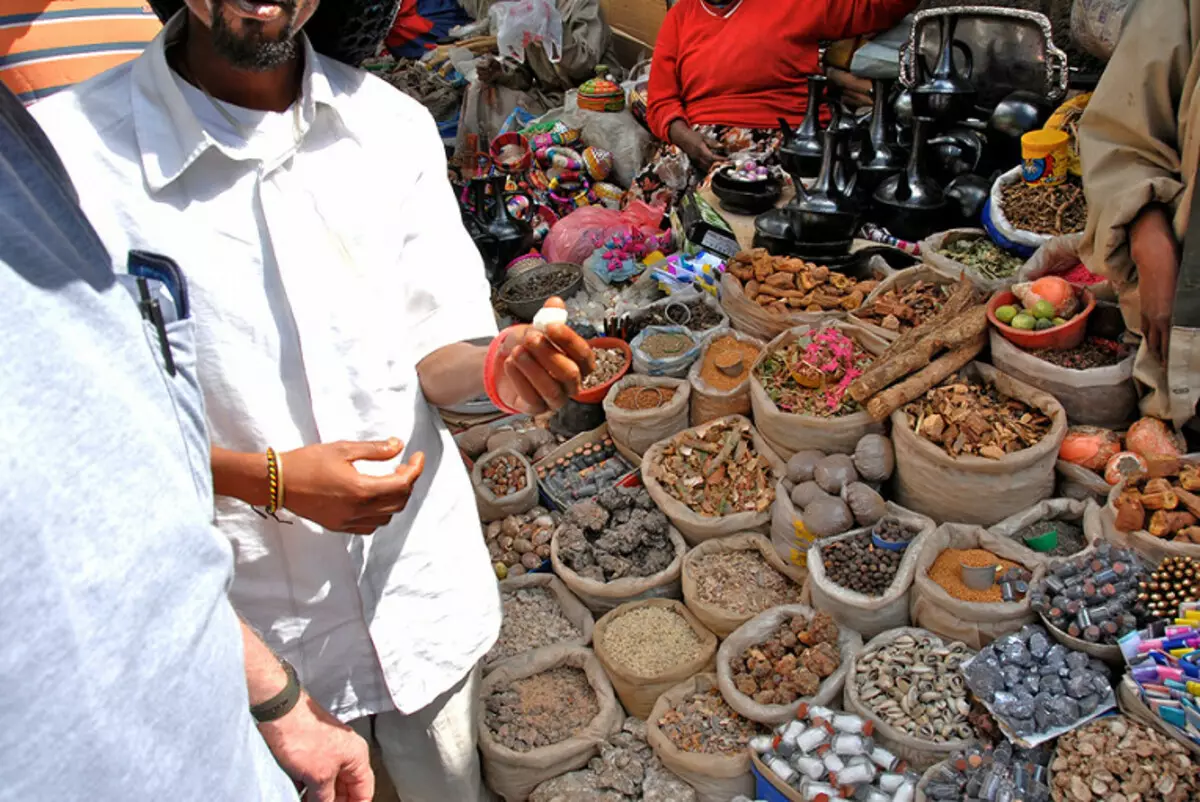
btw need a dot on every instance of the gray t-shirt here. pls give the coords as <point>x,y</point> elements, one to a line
<point>121,674</point>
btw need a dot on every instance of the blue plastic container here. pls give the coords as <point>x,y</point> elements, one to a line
<point>765,789</point>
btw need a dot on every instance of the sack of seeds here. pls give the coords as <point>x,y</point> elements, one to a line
<point>716,776</point>
<point>728,581</point>
<point>538,611</point>
<point>968,252</point>
<point>1100,396</point>
<point>641,410</point>
<point>714,479</point>
<point>819,670</point>
<point>507,720</point>
<point>875,613</point>
<point>1076,525</point>
<point>879,673</point>
<point>648,647</point>
<point>818,414</point>
<point>973,489</point>
<point>975,617</point>
<point>720,376</point>
<point>664,351</point>
<point>505,485</point>
<point>884,313</point>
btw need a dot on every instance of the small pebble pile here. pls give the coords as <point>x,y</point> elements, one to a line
<point>541,710</point>
<point>791,663</point>
<point>650,641</point>
<point>1093,596</point>
<point>609,362</point>
<point>520,543</point>
<point>586,471</point>
<point>704,724</point>
<point>857,564</point>
<point>532,619</point>
<point>621,533</point>
<point>742,583</point>
<point>1175,580</point>
<point>1034,685</point>
<point>991,773</point>
<point>1120,760</point>
<point>504,475</point>
<point>1012,580</point>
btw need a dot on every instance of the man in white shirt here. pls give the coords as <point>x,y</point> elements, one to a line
<point>333,287</point>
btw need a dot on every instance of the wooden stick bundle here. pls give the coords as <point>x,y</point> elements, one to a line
<point>888,401</point>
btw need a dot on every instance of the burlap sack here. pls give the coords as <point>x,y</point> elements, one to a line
<point>638,693</point>
<point>694,527</point>
<point>719,620</point>
<point>494,508</point>
<point>901,280</point>
<point>709,403</point>
<point>637,430</point>
<point>716,778</point>
<point>1085,514</point>
<point>974,623</point>
<point>600,597</point>
<point>572,609</point>
<point>513,775</point>
<point>953,269</point>
<point>787,433</point>
<point>757,630</point>
<point>1152,549</point>
<point>977,490</point>
<point>1131,704</point>
<point>1096,397</point>
<point>918,752</point>
<point>1075,481</point>
<point>789,535</point>
<point>868,615</point>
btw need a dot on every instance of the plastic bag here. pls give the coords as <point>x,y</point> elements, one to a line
<point>898,281</point>
<point>976,489</point>
<point>638,693</point>
<point>1002,232</point>
<point>869,615</point>
<point>1096,25</point>
<point>495,508</point>
<point>1085,514</point>
<point>513,775</point>
<point>600,597</point>
<point>1097,396</point>
<point>638,429</point>
<point>709,403</point>
<point>952,269</point>
<point>759,629</point>
<point>584,230</point>
<point>572,609</point>
<point>617,132</point>
<point>675,366</point>
<point>521,23</point>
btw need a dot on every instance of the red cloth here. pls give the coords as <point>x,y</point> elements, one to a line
<point>749,69</point>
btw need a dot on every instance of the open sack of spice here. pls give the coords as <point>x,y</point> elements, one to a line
<point>1156,511</point>
<point>641,410</point>
<point>518,544</point>
<point>1120,756</point>
<point>538,611</point>
<point>1026,216</point>
<point>728,581</point>
<point>720,376</point>
<point>1053,531</point>
<point>970,253</point>
<point>664,351</point>
<point>799,388</point>
<point>782,658</point>
<point>903,301</point>
<point>713,480</point>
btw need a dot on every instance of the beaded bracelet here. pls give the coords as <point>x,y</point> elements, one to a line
<point>274,485</point>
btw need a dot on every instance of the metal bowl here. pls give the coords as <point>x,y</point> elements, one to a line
<point>527,307</point>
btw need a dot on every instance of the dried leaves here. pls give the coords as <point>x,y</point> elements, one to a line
<point>719,472</point>
<point>813,377</point>
<point>783,285</point>
<point>967,418</point>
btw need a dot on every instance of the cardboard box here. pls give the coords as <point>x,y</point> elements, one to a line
<point>639,19</point>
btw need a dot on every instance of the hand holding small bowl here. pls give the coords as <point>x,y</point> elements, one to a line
<point>532,368</point>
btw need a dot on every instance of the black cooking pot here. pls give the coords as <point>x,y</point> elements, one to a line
<point>745,197</point>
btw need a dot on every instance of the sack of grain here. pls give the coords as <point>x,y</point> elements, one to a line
<point>779,583</point>
<point>711,401</point>
<point>600,597</point>
<point>1084,514</point>
<point>624,660</point>
<point>512,774</point>
<point>756,631</point>
<point>638,429</point>
<point>496,508</point>
<point>869,615</point>
<point>572,609</point>
<point>974,623</point>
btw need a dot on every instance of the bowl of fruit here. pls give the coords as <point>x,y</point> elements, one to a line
<point>1047,313</point>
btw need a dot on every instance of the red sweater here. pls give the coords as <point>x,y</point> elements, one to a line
<point>749,69</point>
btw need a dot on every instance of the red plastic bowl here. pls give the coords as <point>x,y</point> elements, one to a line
<point>596,394</point>
<point>1060,338</point>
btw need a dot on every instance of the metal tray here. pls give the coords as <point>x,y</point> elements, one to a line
<point>1012,49</point>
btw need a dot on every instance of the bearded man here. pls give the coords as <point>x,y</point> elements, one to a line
<point>334,289</point>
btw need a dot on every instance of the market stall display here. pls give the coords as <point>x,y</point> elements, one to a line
<point>538,611</point>
<point>720,376</point>
<point>1120,756</point>
<point>1021,773</point>
<point>520,543</point>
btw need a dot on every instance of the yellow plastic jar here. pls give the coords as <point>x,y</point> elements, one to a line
<point>1046,157</point>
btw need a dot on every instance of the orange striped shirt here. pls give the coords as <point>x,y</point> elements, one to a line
<point>47,45</point>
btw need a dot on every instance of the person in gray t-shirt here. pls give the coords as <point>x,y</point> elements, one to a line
<point>124,672</point>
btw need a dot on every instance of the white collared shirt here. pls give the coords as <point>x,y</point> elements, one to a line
<point>322,266</point>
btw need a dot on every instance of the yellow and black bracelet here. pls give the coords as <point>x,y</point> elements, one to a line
<point>274,487</point>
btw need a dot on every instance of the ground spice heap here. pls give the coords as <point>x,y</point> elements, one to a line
<point>783,285</point>
<point>812,378</point>
<point>947,572</point>
<point>722,353</point>
<point>609,362</point>
<point>791,663</point>
<point>666,345</point>
<point>742,582</point>
<point>1044,209</point>
<point>703,723</point>
<point>719,472</point>
<point>983,255</point>
<point>541,710</point>
<point>1094,352</point>
<point>1118,759</point>
<point>857,564</point>
<point>903,308</point>
<point>532,619</point>
<point>967,418</point>
<point>644,397</point>
<point>504,475</point>
<point>650,641</point>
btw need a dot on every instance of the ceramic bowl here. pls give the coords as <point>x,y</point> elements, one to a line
<point>596,394</point>
<point>526,308</point>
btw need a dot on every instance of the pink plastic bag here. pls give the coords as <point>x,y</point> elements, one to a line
<point>584,230</point>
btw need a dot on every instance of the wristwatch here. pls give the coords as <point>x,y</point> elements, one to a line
<point>281,703</point>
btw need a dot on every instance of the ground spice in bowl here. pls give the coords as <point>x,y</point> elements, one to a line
<point>704,723</point>
<point>812,378</point>
<point>742,583</point>
<point>727,350</point>
<point>644,397</point>
<point>946,571</point>
<point>1043,209</point>
<point>650,641</point>
<point>541,710</point>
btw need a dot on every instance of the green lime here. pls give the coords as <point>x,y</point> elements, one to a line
<point>1042,325</point>
<point>1005,314</point>
<point>1058,321</point>
<point>1024,322</point>
<point>1043,310</point>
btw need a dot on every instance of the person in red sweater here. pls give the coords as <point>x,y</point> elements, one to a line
<point>725,72</point>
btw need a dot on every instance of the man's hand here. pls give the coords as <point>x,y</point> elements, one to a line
<point>542,370</point>
<point>855,92</point>
<point>697,148</point>
<point>322,485</point>
<point>316,749</point>
<point>1155,251</point>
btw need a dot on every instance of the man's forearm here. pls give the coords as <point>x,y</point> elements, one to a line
<point>265,676</point>
<point>241,476</point>
<point>452,374</point>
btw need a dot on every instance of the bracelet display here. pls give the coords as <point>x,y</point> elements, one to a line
<point>281,703</point>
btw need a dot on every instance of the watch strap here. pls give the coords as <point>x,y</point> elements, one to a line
<point>281,703</point>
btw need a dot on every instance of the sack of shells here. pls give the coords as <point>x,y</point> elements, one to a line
<point>889,574</point>
<point>641,410</point>
<point>720,376</point>
<point>648,647</point>
<point>727,582</point>
<point>799,389</point>
<point>804,649</point>
<point>1076,524</point>
<point>714,480</point>
<point>505,485</point>
<point>539,611</point>
<point>907,683</point>
<point>706,744</point>
<point>957,616</point>
<point>537,719</point>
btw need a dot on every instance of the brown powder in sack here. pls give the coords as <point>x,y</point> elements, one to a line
<point>946,571</point>
<point>720,350</point>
